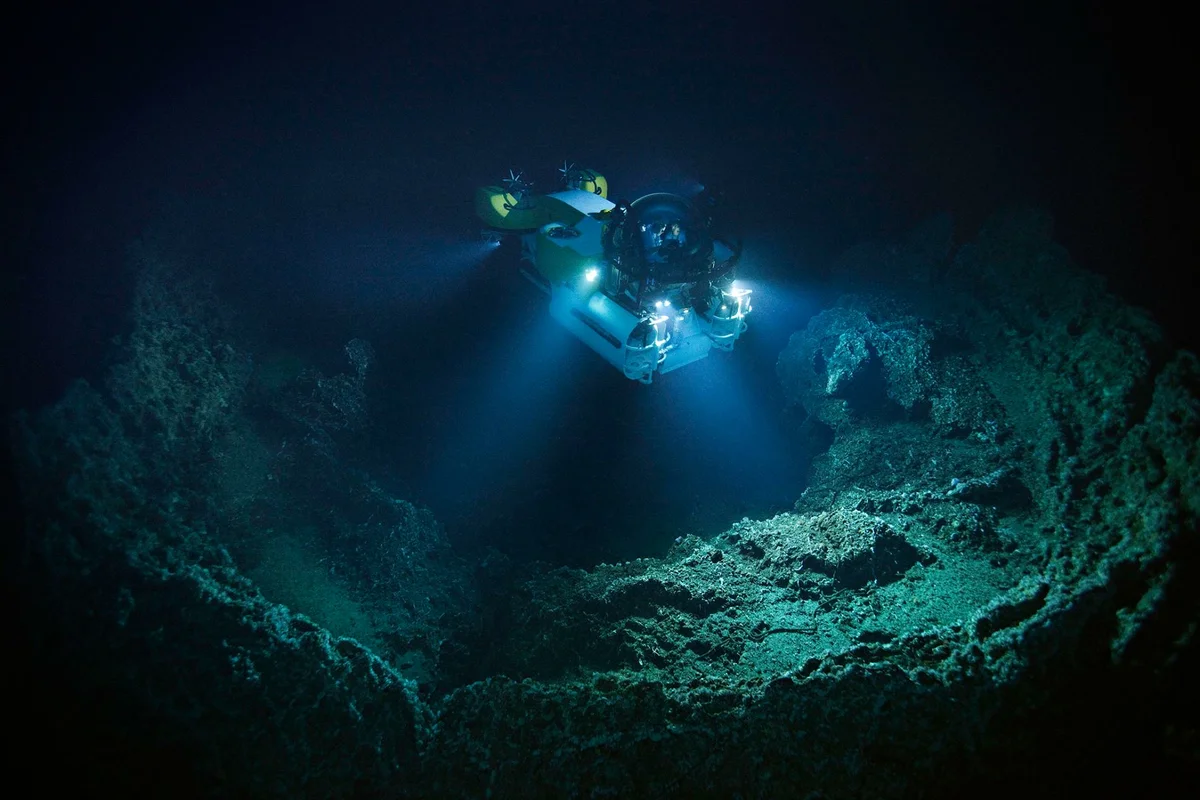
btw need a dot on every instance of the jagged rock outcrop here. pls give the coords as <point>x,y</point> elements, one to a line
<point>992,570</point>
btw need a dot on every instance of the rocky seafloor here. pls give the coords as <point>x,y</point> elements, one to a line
<point>989,584</point>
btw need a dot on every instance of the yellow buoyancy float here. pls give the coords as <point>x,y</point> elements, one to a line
<point>500,209</point>
<point>589,181</point>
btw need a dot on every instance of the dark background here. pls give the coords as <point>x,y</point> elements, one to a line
<point>322,161</point>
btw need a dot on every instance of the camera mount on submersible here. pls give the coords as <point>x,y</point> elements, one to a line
<point>646,284</point>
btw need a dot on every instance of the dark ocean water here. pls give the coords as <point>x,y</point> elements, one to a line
<point>321,165</point>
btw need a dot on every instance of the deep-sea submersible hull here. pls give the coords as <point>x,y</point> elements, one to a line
<point>644,285</point>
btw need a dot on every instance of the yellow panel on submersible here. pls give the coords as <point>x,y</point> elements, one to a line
<point>499,209</point>
<point>593,182</point>
<point>563,253</point>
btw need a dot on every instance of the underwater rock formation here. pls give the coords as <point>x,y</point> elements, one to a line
<point>991,576</point>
